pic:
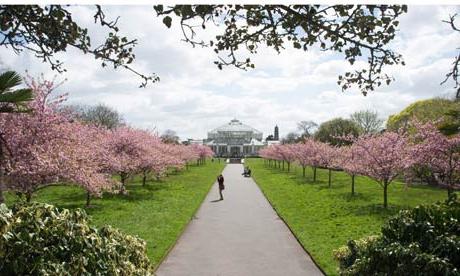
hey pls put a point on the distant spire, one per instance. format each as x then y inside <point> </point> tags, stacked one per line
<point>276,136</point>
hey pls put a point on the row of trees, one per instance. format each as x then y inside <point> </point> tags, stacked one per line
<point>382,157</point>
<point>360,122</point>
<point>48,145</point>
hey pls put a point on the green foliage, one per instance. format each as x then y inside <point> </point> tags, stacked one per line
<point>431,110</point>
<point>329,131</point>
<point>12,100</point>
<point>421,241</point>
<point>40,239</point>
<point>323,218</point>
<point>452,126</point>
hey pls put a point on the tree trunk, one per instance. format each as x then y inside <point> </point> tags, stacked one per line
<point>303,171</point>
<point>314,174</point>
<point>88,199</point>
<point>353,184</point>
<point>2,199</point>
<point>28,196</point>
<point>283,165</point>
<point>330,174</point>
<point>289,166</point>
<point>123,180</point>
<point>144,179</point>
<point>385,195</point>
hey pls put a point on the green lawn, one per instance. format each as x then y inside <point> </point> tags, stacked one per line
<point>323,218</point>
<point>156,213</point>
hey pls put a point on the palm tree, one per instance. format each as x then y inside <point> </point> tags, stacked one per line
<point>11,101</point>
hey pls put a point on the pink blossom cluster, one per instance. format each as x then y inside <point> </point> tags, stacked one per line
<point>46,146</point>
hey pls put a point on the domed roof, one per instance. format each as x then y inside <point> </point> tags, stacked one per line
<point>234,125</point>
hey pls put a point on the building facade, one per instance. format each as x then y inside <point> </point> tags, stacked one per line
<point>235,139</point>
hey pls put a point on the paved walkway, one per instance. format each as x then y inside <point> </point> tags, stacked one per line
<point>239,236</point>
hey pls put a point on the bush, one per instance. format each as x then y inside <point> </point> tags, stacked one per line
<point>39,239</point>
<point>421,241</point>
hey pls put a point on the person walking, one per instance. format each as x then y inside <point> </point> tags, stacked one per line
<point>220,180</point>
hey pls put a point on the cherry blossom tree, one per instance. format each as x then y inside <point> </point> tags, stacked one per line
<point>348,159</point>
<point>269,153</point>
<point>327,157</point>
<point>187,154</point>
<point>316,159</point>
<point>302,153</point>
<point>382,158</point>
<point>439,153</point>
<point>126,146</point>
<point>152,158</point>
<point>45,147</point>
<point>203,152</point>
<point>286,153</point>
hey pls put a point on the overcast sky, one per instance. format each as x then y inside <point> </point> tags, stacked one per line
<point>194,96</point>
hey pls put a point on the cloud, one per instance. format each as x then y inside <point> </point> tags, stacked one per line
<point>194,96</point>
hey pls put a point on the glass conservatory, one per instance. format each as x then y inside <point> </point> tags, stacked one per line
<point>235,139</point>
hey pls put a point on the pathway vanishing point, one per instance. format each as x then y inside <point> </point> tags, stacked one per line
<point>241,235</point>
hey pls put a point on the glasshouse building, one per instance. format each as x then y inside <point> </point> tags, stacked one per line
<point>235,139</point>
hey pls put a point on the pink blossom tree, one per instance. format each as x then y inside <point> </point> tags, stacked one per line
<point>286,153</point>
<point>439,153</point>
<point>316,151</point>
<point>187,154</point>
<point>348,159</point>
<point>327,157</point>
<point>302,153</point>
<point>45,147</point>
<point>269,153</point>
<point>152,159</point>
<point>126,147</point>
<point>382,158</point>
<point>203,152</point>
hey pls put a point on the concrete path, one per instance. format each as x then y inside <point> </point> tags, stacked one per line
<point>241,235</point>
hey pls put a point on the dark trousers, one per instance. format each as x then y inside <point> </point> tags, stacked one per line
<point>220,193</point>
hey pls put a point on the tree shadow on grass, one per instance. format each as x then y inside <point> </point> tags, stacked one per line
<point>174,173</point>
<point>325,186</point>
<point>356,197</point>
<point>71,205</point>
<point>79,196</point>
<point>300,180</point>
<point>376,210</point>
<point>137,192</point>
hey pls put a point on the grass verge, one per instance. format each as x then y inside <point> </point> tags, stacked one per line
<point>323,218</point>
<point>156,213</point>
